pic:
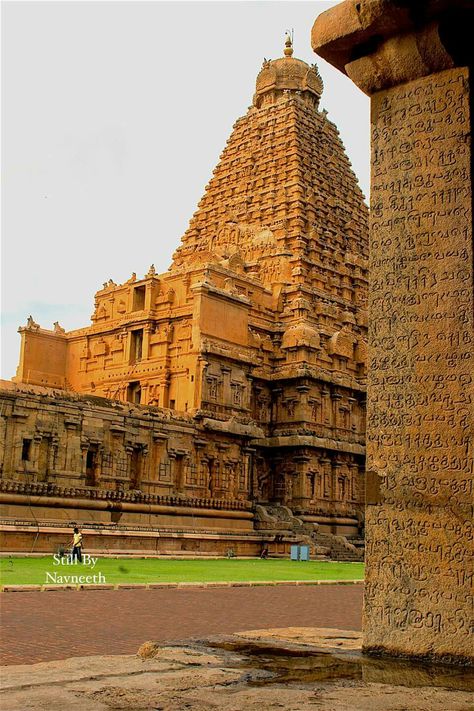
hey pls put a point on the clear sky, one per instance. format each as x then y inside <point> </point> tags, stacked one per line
<point>114,116</point>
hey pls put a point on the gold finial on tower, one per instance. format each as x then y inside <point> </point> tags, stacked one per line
<point>288,51</point>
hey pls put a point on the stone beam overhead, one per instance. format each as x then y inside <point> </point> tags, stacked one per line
<point>381,43</point>
<point>414,60</point>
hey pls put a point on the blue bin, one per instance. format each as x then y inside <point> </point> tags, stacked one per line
<point>304,552</point>
<point>299,553</point>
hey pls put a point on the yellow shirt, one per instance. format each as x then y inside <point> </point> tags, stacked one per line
<point>77,539</point>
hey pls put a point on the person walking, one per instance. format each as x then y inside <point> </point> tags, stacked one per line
<point>77,545</point>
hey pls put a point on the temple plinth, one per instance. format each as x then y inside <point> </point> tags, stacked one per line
<point>414,62</point>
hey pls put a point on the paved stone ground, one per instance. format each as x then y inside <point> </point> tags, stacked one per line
<point>44,626</point>
<point>296,669</point>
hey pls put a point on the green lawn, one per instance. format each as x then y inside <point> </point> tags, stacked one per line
<point>33,571</point>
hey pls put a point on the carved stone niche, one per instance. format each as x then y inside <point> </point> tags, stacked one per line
<point>237,390</point>
<point>212,387</point>
<point>290,404</point>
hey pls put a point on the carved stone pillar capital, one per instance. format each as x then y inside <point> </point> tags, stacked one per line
<point>383,43</point>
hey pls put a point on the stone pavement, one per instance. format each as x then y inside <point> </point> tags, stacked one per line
<point>43,626</point>
<point>296,669</point>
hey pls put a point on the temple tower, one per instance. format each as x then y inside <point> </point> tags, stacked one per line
<point>260,321</point>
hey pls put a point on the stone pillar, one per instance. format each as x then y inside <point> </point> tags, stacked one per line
<point>213,476</point>
<point>353,482</point>
<point>413,60</point>
<point>147,334</point>
<point>335,475</point>
<point>325,406</point>
<point>84,449</point>
<point>303,409</point>
<point>144,467</point>
<point>325,463</point>
<point>300,496</point>
<point>249,485</point>
<point>199,447</point>
<point>226,398</point>
<point>251,474</point>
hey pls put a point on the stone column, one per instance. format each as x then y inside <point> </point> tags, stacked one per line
<point>249,477</point>
<point>303,409</point>
<point>325,463</point>
<point>144,467</point>
<point>325,406</point>
<point>300,496</point>
<point>199,448</point>
<point>353,482</point>
<point>336,494</point>
<point>147,334</point>
<point>213,464</point>
<point>251,474</point>
<point>84,449</point>
<point>413,61</point>
<point>226,388</point>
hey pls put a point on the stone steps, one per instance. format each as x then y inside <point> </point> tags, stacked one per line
<point>340,548</point>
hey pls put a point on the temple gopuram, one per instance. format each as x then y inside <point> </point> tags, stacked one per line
<point>220,406</point>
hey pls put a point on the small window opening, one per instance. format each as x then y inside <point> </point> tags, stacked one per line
<point>134,393</point>
<point>135,468</point>
<point>91,466</point>
<point>139,298</point>
<point>26,450</point>
<point>172,404</point>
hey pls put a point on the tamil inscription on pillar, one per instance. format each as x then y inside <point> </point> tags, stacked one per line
<point>418,596</point>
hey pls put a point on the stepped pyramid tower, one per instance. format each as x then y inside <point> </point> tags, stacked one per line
<point>257,332</point>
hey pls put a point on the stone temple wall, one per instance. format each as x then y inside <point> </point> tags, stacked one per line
<point>145,479</point>
<point>134,476</point>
